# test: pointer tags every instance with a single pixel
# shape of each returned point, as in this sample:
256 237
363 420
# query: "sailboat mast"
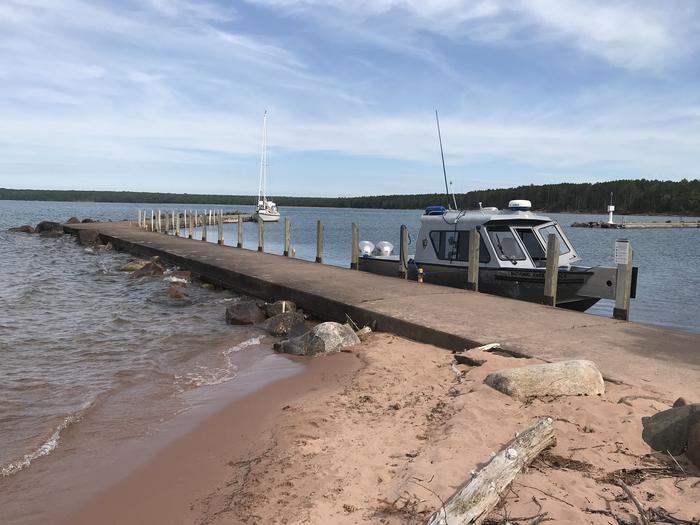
261 184
444 171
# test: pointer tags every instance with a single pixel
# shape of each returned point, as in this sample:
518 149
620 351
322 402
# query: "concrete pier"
446 317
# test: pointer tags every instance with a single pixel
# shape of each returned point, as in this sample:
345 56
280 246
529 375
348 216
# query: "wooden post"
403 253
160 225
319 241
209 217
220 216
421 275
153 220
552 271
261 235
240 231
473 268
355 253
190 229
624 256
287 236
204 227
139 223
177 224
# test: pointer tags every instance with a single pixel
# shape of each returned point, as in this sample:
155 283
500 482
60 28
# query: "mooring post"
261 235
239 244
355 252
473 268
421 275
160 225
319 241
551 273
220 217
623 288
139 223
204 227
287 236
209 217
190 229
403 253
177 223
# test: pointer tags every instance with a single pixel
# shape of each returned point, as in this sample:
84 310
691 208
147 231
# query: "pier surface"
446 317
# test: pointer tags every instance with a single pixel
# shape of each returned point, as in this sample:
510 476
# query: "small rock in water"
323 339
669 430
150 269
49 229
182 275
279 307
133 265
245 312
208 286
284 323
565 378
73 220
89 237
22 229
177 292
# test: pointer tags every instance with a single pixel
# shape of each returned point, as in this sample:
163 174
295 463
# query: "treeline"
630 197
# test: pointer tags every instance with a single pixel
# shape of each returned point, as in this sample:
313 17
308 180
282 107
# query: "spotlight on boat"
366 247
519 205
384 248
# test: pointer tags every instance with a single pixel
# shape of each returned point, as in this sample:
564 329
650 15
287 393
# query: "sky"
168 95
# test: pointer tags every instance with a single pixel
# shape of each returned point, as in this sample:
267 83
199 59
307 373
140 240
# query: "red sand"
383 434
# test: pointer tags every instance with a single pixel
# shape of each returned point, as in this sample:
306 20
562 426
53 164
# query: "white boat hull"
265 216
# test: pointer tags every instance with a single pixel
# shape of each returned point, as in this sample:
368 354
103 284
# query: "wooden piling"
355 253
473 268
319 241
287 236
261 235
160 225
220 218
177 224
624 256
153 220
139 223
190 230
240 231
204 227
403 253
552 271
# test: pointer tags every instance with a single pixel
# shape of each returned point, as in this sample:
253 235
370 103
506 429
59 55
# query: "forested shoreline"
630 197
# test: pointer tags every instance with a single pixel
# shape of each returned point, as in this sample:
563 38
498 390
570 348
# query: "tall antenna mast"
263 162
444 171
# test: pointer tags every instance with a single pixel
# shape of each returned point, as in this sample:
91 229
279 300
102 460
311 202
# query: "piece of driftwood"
473 502
469 361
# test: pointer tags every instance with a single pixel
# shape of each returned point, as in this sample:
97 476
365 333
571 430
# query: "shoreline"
383 433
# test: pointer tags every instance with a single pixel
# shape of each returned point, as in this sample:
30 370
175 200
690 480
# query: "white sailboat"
265 210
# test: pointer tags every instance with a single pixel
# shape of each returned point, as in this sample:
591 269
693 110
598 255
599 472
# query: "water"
91 360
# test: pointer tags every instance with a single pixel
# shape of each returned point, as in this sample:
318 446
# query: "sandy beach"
386 432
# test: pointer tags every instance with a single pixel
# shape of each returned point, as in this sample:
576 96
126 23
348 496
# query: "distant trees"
630 197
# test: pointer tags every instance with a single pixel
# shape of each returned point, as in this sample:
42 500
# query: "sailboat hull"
267 217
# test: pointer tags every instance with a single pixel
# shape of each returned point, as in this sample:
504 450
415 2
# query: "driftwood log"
473 502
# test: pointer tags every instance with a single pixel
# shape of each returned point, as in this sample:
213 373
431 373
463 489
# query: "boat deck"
446 317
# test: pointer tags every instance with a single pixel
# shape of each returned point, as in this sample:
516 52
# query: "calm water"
90 358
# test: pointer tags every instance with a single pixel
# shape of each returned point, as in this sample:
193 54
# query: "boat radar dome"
519 205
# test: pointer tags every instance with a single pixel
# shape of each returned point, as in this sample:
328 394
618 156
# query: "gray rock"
284 324
693 448
89 237
245 312
150 269
22 229
668 430
73 220
49 228
322 339
565 378
133 265
279 307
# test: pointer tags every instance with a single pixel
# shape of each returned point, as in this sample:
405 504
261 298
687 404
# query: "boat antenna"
444 171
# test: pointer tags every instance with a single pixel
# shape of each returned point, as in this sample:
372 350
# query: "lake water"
91 359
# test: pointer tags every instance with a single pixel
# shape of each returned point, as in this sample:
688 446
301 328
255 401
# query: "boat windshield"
533 246
505 244
544 234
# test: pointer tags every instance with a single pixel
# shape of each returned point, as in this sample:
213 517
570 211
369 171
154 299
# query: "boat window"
544 234
533 246
454 246
505 244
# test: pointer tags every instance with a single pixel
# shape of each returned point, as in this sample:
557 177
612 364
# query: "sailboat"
265 210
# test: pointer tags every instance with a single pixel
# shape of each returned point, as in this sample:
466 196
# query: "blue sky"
168 95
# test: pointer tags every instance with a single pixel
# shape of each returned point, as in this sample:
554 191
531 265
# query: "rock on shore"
245 312
49 229
323 339
669 430
565 378
279 307
284 324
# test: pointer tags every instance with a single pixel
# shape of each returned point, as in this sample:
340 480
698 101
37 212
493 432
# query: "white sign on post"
622 251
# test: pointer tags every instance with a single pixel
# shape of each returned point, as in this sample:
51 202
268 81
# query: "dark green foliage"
631 197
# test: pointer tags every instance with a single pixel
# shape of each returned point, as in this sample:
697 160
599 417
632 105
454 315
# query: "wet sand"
387 432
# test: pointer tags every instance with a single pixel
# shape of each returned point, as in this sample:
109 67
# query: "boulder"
85 221
49 229
73 220
669 430
284 324
177 292
89 237
693 448
133 265
279 307
150 269
22 229
182 276
245 312
565 378
325 338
